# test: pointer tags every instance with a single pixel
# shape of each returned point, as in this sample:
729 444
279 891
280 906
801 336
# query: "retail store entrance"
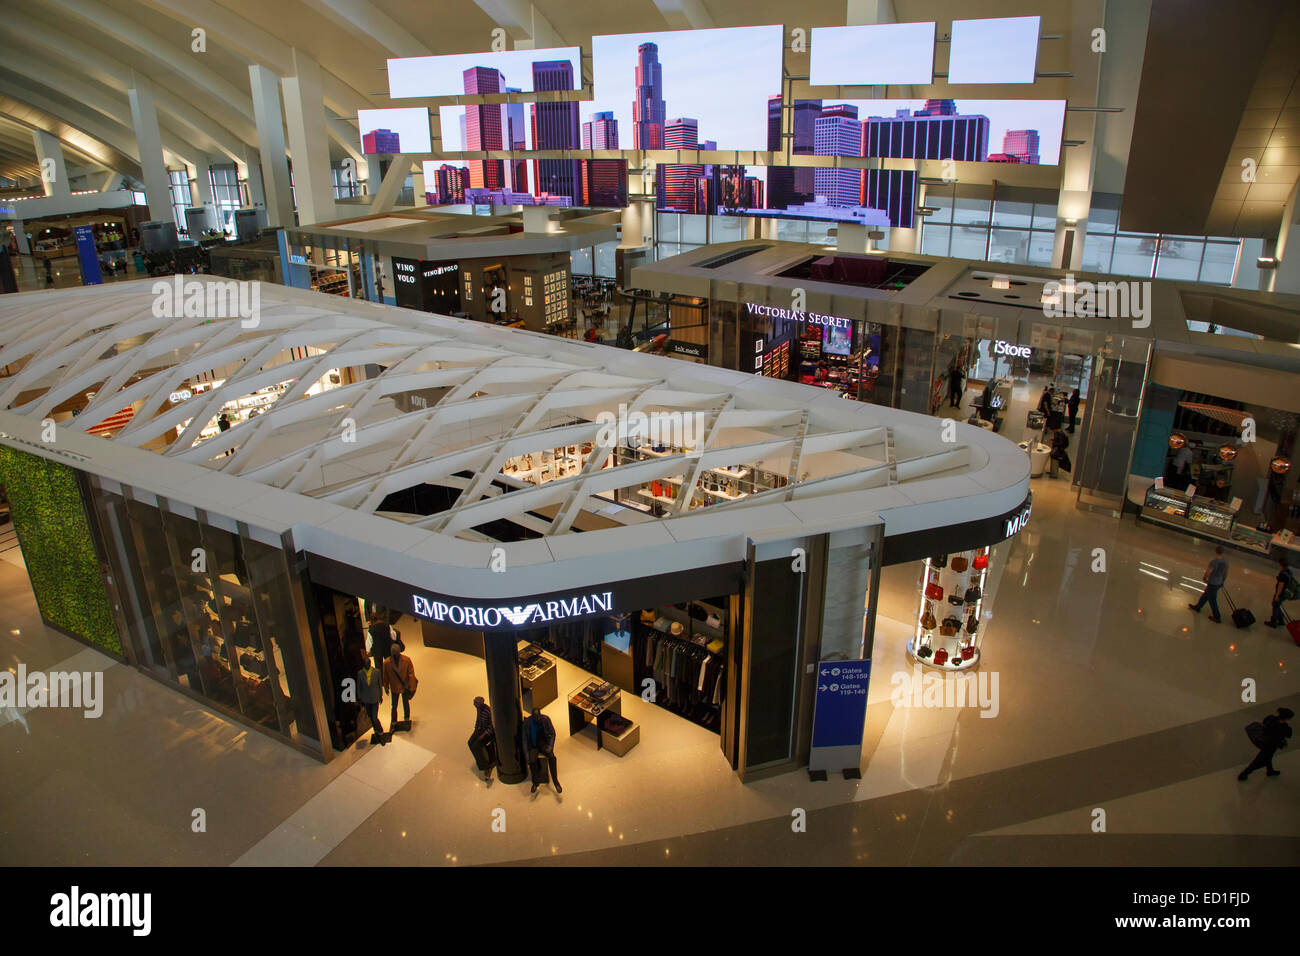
578 656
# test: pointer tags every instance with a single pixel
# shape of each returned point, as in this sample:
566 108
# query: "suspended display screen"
600 183
969 131
869 197
404 130
526 71
878 54
685 89
1002 50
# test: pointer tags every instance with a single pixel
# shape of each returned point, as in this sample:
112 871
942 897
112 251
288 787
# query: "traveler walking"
1215 576
1286 588
1269 736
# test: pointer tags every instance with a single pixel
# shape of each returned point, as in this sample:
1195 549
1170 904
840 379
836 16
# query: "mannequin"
539 734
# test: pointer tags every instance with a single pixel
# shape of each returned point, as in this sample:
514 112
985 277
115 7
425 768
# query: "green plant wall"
49 515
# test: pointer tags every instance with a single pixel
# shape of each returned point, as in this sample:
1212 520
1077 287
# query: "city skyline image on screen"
660 90
597 183
398 130
445 75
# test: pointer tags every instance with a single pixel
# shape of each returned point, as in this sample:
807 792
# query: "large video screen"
971 131
1002 50
684 89
599 183
869 197
404 130
878 54
526 71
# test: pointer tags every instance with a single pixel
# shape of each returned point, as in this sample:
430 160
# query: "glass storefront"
209 606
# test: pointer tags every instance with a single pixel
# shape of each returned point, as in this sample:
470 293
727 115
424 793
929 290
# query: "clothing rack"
687 676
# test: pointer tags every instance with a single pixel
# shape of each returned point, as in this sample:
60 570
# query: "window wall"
227 194
1016 231
179 186
988 230
345 181
209 606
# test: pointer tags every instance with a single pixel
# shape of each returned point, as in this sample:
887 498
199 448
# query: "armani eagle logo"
518 615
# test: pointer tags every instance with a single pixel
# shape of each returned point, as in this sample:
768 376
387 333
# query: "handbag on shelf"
946 629
927 619
923 652
941 656
959 564
955 600
933 591
968 652
938 562
972 624
981 562
972 594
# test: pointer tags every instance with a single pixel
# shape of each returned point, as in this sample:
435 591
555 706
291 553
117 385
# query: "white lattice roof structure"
492 396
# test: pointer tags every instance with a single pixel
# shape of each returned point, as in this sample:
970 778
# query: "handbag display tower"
948 621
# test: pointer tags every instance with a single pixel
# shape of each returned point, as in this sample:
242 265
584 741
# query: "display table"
589 702
1038 457
618 743
542 678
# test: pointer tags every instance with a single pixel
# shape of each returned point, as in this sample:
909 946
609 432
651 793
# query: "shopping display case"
1165 502
949 621
1204 517
1244 537
1211 513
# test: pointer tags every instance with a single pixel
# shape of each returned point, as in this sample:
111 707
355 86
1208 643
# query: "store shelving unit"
961 648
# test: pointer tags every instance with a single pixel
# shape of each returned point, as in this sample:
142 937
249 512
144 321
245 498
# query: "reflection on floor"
1111 696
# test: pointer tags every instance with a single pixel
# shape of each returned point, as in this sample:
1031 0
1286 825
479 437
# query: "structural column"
144 116
305 114
265 87
54 172
500 652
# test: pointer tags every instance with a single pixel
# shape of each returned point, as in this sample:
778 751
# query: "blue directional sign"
90 274
841 709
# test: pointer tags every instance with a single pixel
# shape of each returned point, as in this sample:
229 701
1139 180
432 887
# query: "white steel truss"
438 403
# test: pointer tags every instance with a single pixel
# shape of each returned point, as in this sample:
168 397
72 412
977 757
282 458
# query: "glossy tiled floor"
1112 696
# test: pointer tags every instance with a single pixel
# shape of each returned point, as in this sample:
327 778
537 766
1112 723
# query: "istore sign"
1015 351
513 615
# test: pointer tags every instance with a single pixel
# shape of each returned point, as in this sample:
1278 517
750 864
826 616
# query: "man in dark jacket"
1073 406
370 690
381 640
956 386
539 733
1276 732
1059 459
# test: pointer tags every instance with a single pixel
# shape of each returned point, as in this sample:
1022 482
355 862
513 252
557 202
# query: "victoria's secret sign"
794 315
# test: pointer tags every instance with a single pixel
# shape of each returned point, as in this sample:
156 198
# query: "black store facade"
256 628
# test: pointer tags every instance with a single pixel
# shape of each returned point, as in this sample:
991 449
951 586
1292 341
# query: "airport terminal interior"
661 432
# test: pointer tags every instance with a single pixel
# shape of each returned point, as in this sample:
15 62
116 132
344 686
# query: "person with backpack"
1287 588
1269 736
1215 576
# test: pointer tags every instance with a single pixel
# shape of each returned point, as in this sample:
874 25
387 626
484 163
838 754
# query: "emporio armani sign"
513 615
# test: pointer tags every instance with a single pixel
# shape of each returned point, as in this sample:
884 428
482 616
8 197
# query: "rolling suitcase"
1241 616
